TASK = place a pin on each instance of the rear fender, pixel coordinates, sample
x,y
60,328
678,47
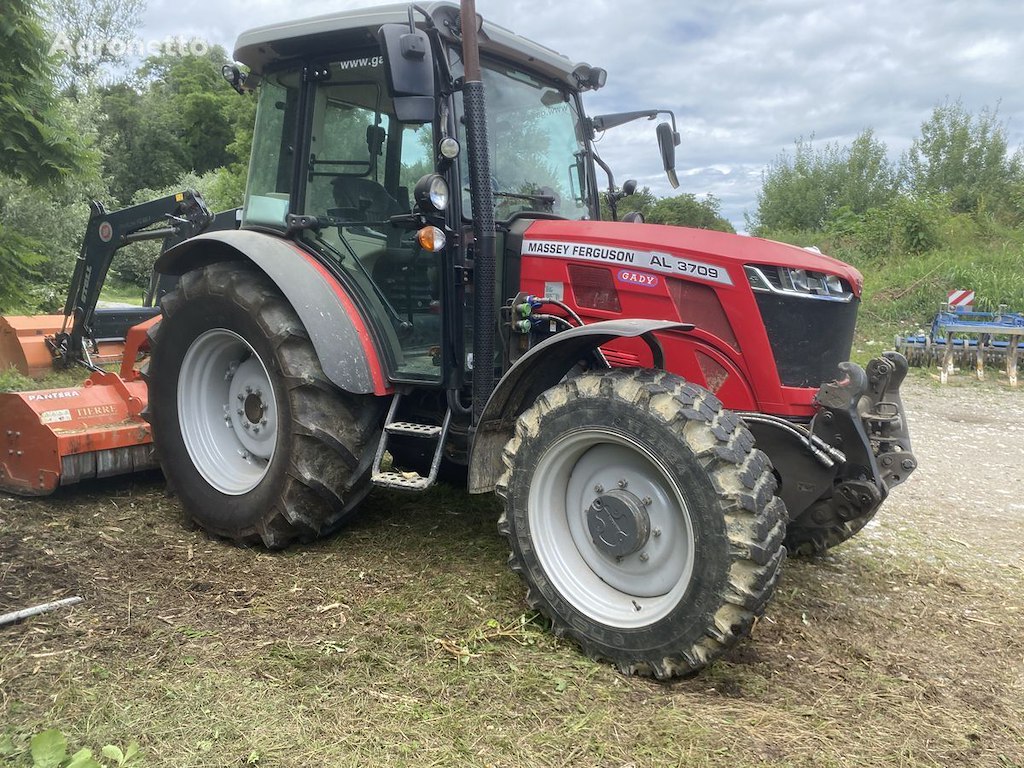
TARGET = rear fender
x,y
340,336
538,370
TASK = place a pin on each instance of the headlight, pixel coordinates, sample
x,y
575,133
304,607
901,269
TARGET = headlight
x,y
791,281
449,148
431,193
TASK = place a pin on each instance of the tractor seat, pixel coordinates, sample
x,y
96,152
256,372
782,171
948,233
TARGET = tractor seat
x,y
363,199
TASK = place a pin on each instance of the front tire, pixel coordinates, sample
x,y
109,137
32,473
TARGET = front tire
x,y
642,520
830,522
253,438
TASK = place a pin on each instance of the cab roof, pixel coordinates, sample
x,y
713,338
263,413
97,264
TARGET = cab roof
x,y
333,34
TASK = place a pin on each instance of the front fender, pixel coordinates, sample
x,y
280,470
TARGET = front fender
x,y
340,336
538,370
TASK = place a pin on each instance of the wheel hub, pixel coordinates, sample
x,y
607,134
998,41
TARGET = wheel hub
x,y
227,411
253,420
611,527
254,408
618,523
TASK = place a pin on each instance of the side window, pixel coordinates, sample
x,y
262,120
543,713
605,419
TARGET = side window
x,y
362,166
348,164
417,155
270,166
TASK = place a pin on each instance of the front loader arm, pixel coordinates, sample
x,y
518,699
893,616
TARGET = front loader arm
x,y
184,213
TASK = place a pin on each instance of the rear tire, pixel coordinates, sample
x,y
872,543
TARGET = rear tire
x,y
253,438
642,520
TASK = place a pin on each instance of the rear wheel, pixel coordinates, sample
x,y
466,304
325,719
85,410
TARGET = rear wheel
x,y
642,520
257,443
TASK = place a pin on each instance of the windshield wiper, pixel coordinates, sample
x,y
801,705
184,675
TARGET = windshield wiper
x,y
539,197
543,198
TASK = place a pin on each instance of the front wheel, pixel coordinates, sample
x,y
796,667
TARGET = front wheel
x,y
255,440
642,520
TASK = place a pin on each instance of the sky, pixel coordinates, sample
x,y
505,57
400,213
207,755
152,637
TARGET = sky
x,y
745,78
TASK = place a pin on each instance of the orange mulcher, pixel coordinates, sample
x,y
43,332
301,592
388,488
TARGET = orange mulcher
x,y
55,437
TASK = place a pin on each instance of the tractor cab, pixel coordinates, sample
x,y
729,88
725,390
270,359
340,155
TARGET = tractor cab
x,y
380,190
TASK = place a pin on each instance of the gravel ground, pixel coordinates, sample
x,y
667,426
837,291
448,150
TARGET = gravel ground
x,y
968,493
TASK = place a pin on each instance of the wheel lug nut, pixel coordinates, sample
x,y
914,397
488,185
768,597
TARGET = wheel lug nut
x,y
255,430
644,557
246,425
248,390
263,422
598,488
656,532
239,412
623,483
241,397
647,500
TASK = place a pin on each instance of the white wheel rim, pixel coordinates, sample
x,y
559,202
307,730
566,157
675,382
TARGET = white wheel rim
x,y
227,411
629,591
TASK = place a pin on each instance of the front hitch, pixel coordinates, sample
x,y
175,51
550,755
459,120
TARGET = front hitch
x,y
862,415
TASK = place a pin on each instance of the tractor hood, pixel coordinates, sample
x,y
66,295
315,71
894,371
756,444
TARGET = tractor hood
x,y
716,257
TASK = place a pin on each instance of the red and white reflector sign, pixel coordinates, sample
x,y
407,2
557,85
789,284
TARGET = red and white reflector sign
x,y
961,300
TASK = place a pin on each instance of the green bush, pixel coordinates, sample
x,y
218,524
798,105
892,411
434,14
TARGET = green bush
x,y
222,189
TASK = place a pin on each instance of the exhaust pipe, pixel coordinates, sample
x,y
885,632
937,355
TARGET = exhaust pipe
x,y
484,269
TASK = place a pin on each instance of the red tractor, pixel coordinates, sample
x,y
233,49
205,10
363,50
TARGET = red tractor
x,y
421,281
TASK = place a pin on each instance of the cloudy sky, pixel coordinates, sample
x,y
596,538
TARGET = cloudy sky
x,y
744,77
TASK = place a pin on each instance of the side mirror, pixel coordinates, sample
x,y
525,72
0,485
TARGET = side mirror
x,y
668,140
410,69
629,187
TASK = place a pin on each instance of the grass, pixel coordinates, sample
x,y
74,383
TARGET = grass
x,y
902,291
13,381
122,293
403,641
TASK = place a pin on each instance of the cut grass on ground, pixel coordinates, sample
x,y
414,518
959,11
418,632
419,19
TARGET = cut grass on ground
x,y
403,641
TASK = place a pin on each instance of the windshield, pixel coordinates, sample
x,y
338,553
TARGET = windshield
x,y
536,146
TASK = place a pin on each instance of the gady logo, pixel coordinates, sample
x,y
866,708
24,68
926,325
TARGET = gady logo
x,y
638,278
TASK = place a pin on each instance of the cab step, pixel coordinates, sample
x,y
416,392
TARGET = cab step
x,y
402,481
409,429
393,428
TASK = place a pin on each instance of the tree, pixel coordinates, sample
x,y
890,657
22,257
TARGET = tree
x,y
37,146
866,178
686,210
92,35
36,141
803,191
963,155
179,117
